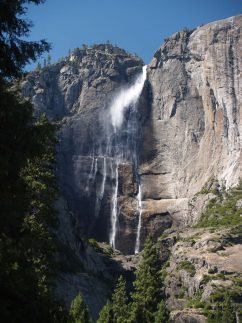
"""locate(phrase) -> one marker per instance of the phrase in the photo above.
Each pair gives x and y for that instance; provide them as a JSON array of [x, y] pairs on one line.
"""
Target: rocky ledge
[[202, 265]]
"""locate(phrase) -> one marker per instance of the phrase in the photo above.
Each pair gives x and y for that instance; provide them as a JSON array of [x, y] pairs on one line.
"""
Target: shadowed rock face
[[188, 129]]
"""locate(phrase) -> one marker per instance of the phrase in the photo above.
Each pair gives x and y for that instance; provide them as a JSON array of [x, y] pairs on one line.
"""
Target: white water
[[104, 177], [100, 190], [137, 243], [125, 98], [95, 169], [92, 173], [117, 144], [114, 212]]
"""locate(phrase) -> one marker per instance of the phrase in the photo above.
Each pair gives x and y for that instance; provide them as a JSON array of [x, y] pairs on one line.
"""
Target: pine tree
[[28, 193], [120, 302], [147, 286], [118, 310], [27, 182], [106, 314], [78, 311], [15, 52], [162, 315]]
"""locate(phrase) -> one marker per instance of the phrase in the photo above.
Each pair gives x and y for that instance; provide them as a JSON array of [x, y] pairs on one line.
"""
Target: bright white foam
[[125, 98]]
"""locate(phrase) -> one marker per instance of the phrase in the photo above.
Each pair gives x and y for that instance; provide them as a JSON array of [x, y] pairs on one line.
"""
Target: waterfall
[[92, 174], [117, 143], [104, 177], [125, 98], [114, 211], [124, 143], [100, 191], [95, 169], [137, 243]]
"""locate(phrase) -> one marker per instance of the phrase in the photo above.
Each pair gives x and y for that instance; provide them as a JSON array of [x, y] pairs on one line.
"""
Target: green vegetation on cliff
[[224, 209]]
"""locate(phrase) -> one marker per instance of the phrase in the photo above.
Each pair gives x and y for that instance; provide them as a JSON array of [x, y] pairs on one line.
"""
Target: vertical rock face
[[193, 130]]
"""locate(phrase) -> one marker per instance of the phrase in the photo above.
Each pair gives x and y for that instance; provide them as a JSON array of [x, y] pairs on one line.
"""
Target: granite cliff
[[193, 132], [179, 138]]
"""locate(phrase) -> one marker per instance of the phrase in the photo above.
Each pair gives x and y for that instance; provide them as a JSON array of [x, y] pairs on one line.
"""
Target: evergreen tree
[[106, 314], [78, 311], [28, 193], [118, 310], [147, 286], [162, 315], [27, 182], [120, 302], [15, 52]]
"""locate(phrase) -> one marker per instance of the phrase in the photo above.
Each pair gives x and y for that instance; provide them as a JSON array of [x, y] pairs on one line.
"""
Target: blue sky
[[139, 26]]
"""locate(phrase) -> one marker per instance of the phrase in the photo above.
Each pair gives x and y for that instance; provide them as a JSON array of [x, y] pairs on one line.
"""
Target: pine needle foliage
[[106, 314], [78, 311], [147, 286], [162, 315]]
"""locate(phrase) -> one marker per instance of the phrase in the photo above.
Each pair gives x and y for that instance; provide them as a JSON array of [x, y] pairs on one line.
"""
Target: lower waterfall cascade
[[114, 211]]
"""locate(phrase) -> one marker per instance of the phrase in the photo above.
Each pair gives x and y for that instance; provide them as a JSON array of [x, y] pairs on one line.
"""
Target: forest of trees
[[27, 181]]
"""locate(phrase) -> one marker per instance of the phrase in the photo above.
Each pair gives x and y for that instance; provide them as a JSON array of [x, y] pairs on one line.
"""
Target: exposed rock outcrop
[[202, 263]]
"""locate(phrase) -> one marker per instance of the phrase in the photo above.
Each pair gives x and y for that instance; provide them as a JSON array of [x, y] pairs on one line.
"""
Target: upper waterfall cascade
[[125, 98]]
